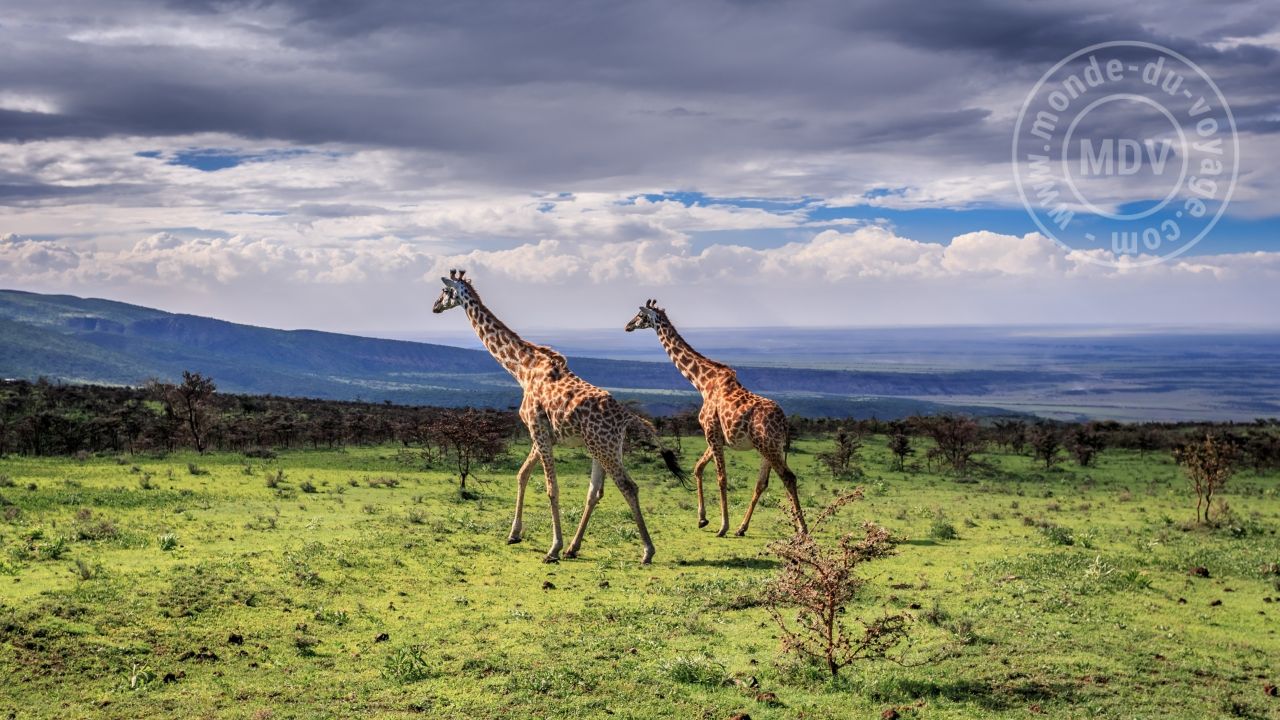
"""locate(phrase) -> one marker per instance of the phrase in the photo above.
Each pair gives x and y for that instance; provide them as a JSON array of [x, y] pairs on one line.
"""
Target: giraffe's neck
[[696, 368], [509, 349]]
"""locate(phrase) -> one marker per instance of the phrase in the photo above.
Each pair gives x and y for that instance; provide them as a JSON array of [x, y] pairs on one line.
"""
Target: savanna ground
[[357, 585]]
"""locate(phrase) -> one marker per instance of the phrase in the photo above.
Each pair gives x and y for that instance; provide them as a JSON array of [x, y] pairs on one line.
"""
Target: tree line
[[954, 442], [45, 418]]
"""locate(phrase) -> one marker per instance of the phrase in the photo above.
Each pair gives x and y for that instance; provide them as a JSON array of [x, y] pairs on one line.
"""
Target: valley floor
[[330, 584]]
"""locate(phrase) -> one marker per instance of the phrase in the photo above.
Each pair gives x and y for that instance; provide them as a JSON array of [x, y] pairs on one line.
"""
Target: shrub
[[406, 665], [941, 529], [86, 527], [1045, 441], [1056, 534], [168, 541], [137, 676], [1085, 443], [307, 487], [842, 456], [53, 550], [1209, 464], [85, 571], [900, 444], [956, 440], [306, 644], [194, 469], [469, 437], [695, 670], [819, 581]]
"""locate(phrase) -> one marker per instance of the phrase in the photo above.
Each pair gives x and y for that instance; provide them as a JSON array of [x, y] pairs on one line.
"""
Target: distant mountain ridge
[[74, 339]]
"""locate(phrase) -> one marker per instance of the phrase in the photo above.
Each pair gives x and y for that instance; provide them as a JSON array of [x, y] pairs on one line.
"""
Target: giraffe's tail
[[651, 440]]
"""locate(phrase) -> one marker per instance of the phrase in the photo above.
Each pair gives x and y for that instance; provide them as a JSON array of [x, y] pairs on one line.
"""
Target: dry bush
[[809, 597], [1209, 464]]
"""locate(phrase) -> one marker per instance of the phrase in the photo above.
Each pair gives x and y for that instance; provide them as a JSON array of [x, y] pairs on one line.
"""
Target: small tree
[[1209, 464], [956, 440], [839, 460], [1085, 444], [900, 443], [1012, 434], [1145, 440], [819, 581], [190, 401], [1045, 443], [469, 437], [1263, 450]]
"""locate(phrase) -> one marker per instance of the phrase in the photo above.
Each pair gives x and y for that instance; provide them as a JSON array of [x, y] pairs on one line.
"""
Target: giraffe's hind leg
[[594, 492], [779, 463], [761, 484], [789, 481], [631, 493]]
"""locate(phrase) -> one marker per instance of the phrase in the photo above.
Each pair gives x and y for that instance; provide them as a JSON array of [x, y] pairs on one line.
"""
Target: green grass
[[380, 592]]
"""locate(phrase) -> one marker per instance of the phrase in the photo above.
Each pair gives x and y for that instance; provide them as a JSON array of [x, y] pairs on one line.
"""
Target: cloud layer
[[308, 163], [864, 276]]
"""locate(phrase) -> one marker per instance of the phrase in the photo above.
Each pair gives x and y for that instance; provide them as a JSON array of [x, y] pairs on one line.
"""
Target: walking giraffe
[[558, 404], [731, 415]]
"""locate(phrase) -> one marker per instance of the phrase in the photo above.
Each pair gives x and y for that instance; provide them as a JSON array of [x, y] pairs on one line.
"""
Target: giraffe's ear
[[444, 280]]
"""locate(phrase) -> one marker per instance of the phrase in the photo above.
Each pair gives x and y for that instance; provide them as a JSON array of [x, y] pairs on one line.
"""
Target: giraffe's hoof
[[551, 559], [647, 557], [703, 523], [740, 532], [513, 540], [722, 532], [571, 553]]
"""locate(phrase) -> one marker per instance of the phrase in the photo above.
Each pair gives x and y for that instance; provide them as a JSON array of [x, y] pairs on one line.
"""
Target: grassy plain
[[355, 584]]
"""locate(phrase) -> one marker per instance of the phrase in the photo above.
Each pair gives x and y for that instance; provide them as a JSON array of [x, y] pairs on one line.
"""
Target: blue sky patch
[[215, 159]]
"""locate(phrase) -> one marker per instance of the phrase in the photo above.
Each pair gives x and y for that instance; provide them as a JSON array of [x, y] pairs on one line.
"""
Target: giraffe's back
[[577, 409], [746, 419]]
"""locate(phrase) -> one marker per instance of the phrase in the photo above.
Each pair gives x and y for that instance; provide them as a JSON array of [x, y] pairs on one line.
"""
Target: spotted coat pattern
[[731, 416], [557, 405]]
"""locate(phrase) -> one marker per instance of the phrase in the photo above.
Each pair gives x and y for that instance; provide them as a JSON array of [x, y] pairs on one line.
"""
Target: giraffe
[[730, 416], [558, 404]]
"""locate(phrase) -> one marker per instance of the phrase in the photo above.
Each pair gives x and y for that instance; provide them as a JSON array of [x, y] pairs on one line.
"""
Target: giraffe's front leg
[[697, 476], [522, 481], [722, 480]]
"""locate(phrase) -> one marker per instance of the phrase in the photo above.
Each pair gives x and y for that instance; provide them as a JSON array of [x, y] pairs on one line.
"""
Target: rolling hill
[[87, 340]]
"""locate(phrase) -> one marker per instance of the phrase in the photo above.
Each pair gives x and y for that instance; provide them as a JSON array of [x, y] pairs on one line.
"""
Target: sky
[[320, 164]]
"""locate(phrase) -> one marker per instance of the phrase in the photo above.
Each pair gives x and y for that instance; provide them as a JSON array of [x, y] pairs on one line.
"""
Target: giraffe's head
[[650, 316], [456, 289]]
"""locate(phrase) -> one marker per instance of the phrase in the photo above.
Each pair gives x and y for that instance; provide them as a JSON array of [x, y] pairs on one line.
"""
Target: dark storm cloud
[[545, 95]]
